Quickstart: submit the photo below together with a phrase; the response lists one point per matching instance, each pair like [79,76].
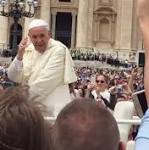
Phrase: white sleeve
[15,71]
[18,64]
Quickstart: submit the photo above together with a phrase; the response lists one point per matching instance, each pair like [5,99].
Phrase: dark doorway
[63,28]
[15,36]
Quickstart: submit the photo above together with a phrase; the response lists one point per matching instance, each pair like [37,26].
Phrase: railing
[119,121]
[129,121]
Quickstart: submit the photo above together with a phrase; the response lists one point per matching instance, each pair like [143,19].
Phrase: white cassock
[47,74]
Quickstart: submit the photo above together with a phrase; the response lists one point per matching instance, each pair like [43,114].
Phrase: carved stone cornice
[105,11]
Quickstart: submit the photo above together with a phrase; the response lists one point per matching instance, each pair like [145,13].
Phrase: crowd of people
[91,55]
[121,80]
[81,100]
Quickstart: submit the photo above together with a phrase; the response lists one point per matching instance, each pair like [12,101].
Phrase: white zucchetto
[38,23]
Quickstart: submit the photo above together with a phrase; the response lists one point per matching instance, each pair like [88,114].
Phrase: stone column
[73,29]
[126,24]
[53,23]
[26,22]
[136,32]
[25,27]
[3,31]
[90,24]
[45,11]
[82,23]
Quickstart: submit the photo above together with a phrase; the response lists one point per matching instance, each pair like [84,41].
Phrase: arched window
[104,29]
[105,24]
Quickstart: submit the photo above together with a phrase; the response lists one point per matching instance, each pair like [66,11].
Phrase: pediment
[105,10]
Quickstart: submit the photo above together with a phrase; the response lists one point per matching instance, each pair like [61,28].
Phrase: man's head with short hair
[22,126]
[84,125]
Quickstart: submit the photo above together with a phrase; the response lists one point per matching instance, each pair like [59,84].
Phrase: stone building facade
[109,26]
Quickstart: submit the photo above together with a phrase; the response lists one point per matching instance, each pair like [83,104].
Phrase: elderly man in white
[45,65]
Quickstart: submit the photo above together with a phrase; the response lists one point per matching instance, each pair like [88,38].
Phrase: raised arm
[15,70]
[143,16]
[142,139]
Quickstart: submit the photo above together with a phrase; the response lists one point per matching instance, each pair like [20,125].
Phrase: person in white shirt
[45,65]
[100,91]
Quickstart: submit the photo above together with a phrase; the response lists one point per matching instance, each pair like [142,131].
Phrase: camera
[119,89]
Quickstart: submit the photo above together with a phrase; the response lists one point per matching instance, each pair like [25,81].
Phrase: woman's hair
[22,126]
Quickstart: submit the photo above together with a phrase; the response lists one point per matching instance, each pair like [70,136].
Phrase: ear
[122,146]
[50,34]
[29,34]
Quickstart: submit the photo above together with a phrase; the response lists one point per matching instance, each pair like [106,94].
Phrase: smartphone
[119,89]
[140,102]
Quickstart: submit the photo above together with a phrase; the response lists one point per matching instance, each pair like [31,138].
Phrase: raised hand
[143,15]
[143,12]
[23,44]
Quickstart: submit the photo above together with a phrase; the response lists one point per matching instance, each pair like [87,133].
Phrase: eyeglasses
[101,81]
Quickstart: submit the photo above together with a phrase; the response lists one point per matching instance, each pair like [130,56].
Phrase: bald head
[83,125]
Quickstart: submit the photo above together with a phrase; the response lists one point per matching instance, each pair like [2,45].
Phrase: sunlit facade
[109,26]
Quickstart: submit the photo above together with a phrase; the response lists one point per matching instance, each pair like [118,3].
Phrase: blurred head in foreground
[85,125]
[22,126]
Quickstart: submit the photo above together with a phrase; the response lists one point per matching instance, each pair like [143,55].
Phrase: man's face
[39,37]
